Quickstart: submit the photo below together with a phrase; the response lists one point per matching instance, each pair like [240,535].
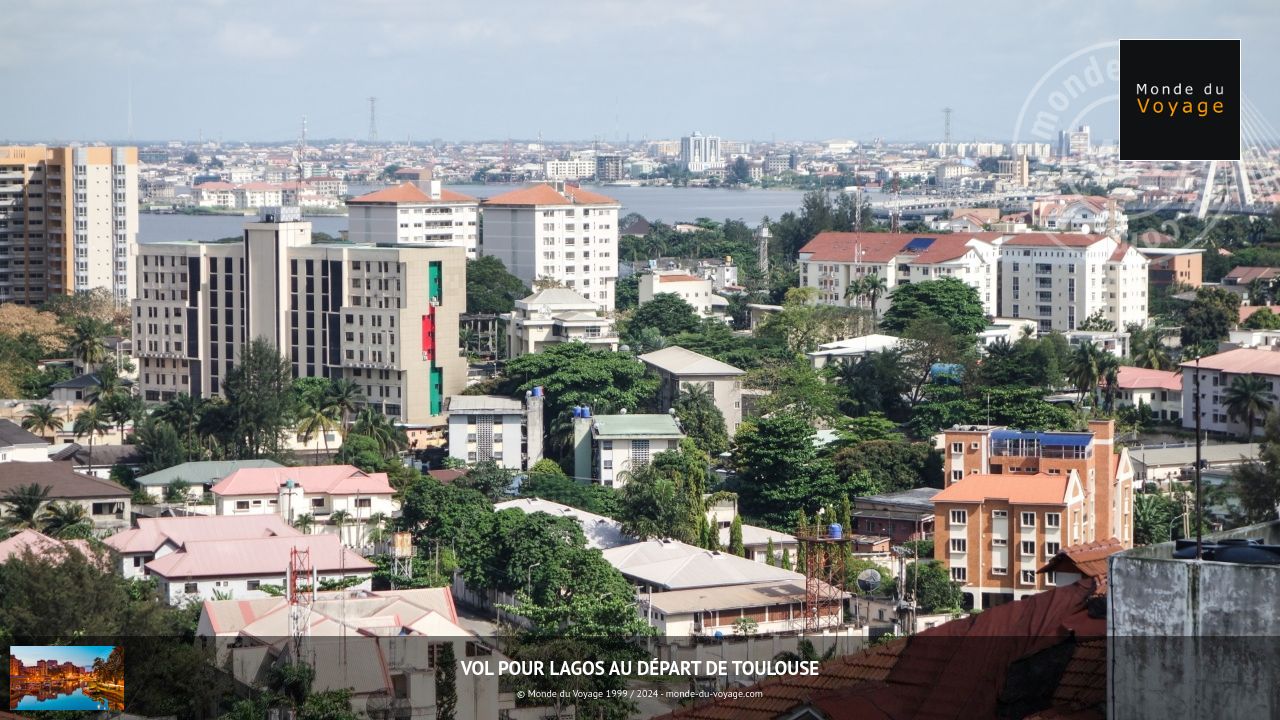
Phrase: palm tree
[91,421]
[370,421]
[345,397]
[304,523]
[42,419]
[855,289]
[376,528]
[121,408]
[1111,376]
[66,520]
[24,504]
[317,420]
[1148,348]
[873,286]
[1087,368]
[108,383]
[1248,396]
[340,519]
[86,344]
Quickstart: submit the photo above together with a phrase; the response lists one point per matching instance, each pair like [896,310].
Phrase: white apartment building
[407,215]
[68,221]
[501,429]
[1160,391]
[1216,374]
[699,153]
[556,232]
[1079,214]
[694,290]
[556,315]
[832,261]
[578,168]
[1059,280]
[383,317]
[607,447]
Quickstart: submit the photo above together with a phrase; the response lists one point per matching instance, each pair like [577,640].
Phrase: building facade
[680,369]
[556,232]
[607,447]
[556,315]
[385,318]
[501,429]
[1062,279]
[1216,373]
[696,291]
[68,221]
[699,153]
[408,215]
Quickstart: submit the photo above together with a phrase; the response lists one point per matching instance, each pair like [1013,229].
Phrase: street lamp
[528,577]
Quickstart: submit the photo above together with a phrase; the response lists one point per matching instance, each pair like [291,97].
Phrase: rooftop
[1212,454]
[1053,240]
[152,533]
[103,455]
[483,403]
[1240,361]
[545,194]
[262,556]
[882,247]
[564,298]
[203,472]
[1136,378]
[40,545]
[601,532]
[64,483]
[674,565]
[680,361]
[316,479]
[408,193]
[730,597]
[1020,489]
[916,498]
[12,435]
[660,425]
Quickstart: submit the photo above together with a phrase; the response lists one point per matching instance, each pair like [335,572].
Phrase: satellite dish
[869,579]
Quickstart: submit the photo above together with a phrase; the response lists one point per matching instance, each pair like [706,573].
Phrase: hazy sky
[569,69]
[81,655]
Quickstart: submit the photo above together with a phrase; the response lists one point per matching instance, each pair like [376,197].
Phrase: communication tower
[823,549]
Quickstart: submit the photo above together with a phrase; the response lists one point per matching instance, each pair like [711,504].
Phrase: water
[668,204]
[75,700]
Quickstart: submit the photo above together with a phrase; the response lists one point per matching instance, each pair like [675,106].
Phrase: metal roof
[1045,438]
[638,426]
[484,403]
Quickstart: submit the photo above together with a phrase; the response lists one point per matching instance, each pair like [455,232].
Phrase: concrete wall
[1193,639]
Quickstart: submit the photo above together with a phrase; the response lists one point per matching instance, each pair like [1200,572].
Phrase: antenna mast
[373,119]
[946,126]
[301,597]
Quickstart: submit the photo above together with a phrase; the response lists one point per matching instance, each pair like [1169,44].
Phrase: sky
[231,70]
[79,655]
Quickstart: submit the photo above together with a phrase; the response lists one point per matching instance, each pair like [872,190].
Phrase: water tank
[835,531]
[537,391]
[586,411]
[577,411]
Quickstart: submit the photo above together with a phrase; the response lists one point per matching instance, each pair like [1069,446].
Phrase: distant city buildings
[68,221]
[410,215]
[700,153]
[385,318]
[1075,143]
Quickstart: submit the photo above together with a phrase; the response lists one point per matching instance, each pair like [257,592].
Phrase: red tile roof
[1136,378]
[1037,489]
[1065,239]
[409,193]
[1121,250]
[324,479]
[1241,361]
[1087,559]
[1244,274]
[883,247]
[544,194]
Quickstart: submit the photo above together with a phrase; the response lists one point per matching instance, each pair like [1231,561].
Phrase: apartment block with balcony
[1060,280]
[1106,475]
[994,531]
[68,221]
[409,215]
[385,318]
[1216,373]
[556,232]
[556,315]
[833,261]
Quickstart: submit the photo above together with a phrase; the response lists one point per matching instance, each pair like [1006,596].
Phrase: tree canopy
[491,289]
[780,470]
[950,299]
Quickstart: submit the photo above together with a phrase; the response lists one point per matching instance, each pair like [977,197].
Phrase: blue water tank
[537,391]
[577,411]
[586,411]
[835,531]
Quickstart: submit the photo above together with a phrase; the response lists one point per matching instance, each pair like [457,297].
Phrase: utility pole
[1199,499]
[946,126]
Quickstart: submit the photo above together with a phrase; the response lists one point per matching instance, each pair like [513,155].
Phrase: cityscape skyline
[606,70]
[78,655]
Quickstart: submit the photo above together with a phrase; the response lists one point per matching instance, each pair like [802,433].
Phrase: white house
[1159,390]
[606,447]
[21,446]
[488,427]
[1216,373]
[156,537]
[680,368]
[697,291]
[556,315]
[107,504]
[200,475]
[319,491]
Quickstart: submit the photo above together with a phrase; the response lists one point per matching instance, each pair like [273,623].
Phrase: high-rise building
[1075,143]
[68,221]
[413,215]
[700,152]
[556,232]
[385,318]
[608,168]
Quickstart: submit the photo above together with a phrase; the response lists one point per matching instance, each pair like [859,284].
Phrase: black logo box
[1187,69]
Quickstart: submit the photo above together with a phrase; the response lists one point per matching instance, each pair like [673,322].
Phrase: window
[959,574]
[959,517]
[254,584]
[999,571]
[1028,519]
[959,545]
[364,502]
[608,464]
[957,475]
[999,514]
[1029,547]
[1051,549]
[999,542]
[317,502]
[191,588]
[137,561]
[606,444]
[1028,577]
[957,447]
[1053,520]
[242,505]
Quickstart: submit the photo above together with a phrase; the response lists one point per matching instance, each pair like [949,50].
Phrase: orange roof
[1038,489]
[409,193]
[544,194]
[1121,250]
[678,278]
[883,247]
[1053,240]
[1241,361]
[1133,378]
[1088,559]
[1247,311]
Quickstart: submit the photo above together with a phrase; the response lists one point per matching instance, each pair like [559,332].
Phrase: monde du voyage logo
[1180,99]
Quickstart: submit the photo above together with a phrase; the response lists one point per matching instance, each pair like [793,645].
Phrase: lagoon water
[669,204]
[75,700]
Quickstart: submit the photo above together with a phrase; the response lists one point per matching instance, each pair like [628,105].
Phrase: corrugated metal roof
[658,425]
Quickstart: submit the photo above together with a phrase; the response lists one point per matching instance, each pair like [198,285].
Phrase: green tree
[889,465]
[932,587]
[1257,484]
[91,422]
[182,412]
[927,342]
[949,299]
[663,499]
[159,445]
[779,470]
[491,289]
[1262,319]
[735,537]
[361,451]
[305,523]
[667,313]
[87,345]
[344,397]
[795,386]
[177,490]
[1248,397]
[1148,347]
[446,683]
[259,395]
[328,705]
[875,383]
[1209,319]
[373,423]
[700,419]
[488,478]
[42,419]
[1153,517]
[547,481]
[66,520]
[1098,322]
[626,293]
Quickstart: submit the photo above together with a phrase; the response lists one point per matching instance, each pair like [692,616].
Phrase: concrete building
[68,221]
[1163,465]
[501,429]
[1062,279]
[1075,143]
[557,232]
[901,516]
[578,168]
[1160,391]
[385,318]
[1106,475]
[317,491]
[556,315]
[408,215]
[679,368]
[1174,266]
[852,349]
[1195,638]
[1216,373]
[106,503]
[18,445]
[997,530]
[833,261]
[606,447]
[700,153]
[201,476]
[695,290]
[609,168]
[1079,214]
[157,537]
